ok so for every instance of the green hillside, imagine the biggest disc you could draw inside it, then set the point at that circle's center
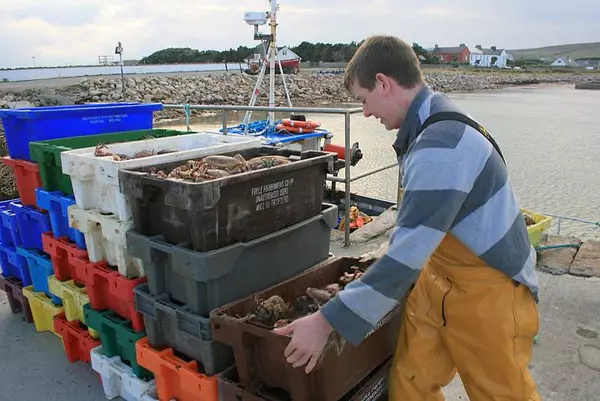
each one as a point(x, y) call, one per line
point(574, 51)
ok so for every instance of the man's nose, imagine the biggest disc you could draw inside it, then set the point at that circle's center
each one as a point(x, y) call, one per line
point(366, 111)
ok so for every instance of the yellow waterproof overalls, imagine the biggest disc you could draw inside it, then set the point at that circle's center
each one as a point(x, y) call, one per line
point(463, 315)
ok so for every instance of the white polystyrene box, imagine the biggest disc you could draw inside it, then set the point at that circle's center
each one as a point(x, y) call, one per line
point(95, 180)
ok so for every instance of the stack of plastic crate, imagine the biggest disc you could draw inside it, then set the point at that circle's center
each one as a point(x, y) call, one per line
point(14, 275)
point(204, 244)
point(58, 263)
point(103, 215)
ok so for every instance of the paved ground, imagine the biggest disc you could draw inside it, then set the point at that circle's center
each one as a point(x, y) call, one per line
point(566, 363)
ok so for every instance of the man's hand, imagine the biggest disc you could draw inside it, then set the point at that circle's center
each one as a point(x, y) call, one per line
point(309, 337)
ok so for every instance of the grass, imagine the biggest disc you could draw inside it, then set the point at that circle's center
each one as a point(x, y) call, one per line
point(574, 51)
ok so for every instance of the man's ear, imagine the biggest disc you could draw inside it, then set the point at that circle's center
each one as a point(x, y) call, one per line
point(384, 81)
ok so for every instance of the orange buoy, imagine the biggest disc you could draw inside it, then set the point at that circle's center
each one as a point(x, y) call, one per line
point(294, 130)
point(301, 124)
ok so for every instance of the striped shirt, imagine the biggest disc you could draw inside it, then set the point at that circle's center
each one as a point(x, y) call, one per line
point(454, 181)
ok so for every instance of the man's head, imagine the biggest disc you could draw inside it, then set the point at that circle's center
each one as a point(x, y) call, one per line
point(384, 75)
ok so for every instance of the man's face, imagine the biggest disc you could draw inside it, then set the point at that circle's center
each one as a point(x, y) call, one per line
point(378, 103)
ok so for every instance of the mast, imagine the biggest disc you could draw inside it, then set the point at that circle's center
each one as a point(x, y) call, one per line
point(273, 22)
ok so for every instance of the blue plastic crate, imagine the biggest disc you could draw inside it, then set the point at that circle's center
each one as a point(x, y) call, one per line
point(44, 123)
point(9, 229)
point(14, 265)
point(58, 206)
point(40, 268)
point(32, 224)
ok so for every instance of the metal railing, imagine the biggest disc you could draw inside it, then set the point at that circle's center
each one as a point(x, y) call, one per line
point(346, 112)
point(574, 219)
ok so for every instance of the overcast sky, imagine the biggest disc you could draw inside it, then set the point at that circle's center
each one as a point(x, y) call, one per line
point(60, 32)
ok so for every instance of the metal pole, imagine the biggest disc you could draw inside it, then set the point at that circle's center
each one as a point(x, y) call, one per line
point(287, 94)
point(122, 75)
point(347, 179)
point(272, 60)
point(377, 170)
point(225, 113)
point(261, 76)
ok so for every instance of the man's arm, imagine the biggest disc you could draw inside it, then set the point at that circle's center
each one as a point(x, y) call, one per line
point(437, 181)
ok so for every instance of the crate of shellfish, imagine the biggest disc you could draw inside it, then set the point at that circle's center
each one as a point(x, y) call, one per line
point(46, 153)
point(246, 325)
point(94, 170)
point(229, 197)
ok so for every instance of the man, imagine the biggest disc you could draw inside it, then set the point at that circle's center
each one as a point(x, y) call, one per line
point(460, 239)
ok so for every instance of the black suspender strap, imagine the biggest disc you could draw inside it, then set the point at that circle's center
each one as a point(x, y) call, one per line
point(454, 116)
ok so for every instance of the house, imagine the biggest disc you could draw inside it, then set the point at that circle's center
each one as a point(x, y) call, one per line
point(459, 54)
point(589, 64)
point(564, 62)
point(492, 57)
point(290, 61)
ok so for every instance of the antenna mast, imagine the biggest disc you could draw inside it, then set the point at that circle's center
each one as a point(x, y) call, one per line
point(272, 58)
point(256, 19)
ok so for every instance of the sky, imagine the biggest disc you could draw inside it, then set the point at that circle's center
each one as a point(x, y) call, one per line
point(76, 32)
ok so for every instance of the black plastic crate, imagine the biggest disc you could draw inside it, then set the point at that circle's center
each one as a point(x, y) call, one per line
point(174, 326)
point(224, 211)
point(206, 280)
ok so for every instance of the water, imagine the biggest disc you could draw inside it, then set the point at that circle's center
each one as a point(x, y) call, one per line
point(69, 72)
point(549, 136)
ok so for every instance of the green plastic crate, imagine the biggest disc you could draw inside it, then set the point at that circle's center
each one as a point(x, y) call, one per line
point(117, 337)
point(47, 153)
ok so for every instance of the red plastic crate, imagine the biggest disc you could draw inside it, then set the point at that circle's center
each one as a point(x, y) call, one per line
point(63, 254)
point(76, 339)
point(16, 300)
point(176, 378)
point(27, 175)
point(108, 289)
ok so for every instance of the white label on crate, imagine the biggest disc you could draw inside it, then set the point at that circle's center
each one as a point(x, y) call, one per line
point(376, 391)
point(103, 119)
point(272, 195)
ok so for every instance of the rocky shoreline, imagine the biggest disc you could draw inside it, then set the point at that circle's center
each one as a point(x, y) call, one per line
point(306, 89)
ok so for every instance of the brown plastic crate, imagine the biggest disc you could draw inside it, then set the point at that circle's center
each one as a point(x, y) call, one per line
point(16, 300)
point(373, 388)
point(259, 352)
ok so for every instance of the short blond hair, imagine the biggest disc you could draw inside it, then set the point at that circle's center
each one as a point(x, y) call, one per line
point(387, 55)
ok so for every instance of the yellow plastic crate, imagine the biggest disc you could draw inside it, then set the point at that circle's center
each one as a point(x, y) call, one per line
point(42, 309)
point(73, 299)
point(542, 223)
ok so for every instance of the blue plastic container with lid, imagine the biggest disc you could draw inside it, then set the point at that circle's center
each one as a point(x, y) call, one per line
point(44, 123)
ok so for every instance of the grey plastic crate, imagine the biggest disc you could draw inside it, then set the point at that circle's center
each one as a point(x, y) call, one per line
point(206, 280)
point(171, 325)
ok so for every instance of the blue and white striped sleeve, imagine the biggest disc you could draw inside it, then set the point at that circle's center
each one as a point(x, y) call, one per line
point(439, 174)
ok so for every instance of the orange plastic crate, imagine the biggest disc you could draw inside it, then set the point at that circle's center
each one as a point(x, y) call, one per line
point(176, 378)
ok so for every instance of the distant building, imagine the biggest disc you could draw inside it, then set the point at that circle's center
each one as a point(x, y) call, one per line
point(589, 64)
point(492, 57)
point(290, 61)
point(459, 54)
point(564, 62)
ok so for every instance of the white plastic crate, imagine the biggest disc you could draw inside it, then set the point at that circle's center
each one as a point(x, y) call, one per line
point(119, 380)
point(105, 238)
point(96, 179)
